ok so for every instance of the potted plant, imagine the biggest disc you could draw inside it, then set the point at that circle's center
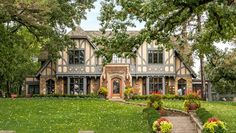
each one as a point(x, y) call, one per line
point(214, 125)
point(13, 92)
point(103, 91)
point(162, 125)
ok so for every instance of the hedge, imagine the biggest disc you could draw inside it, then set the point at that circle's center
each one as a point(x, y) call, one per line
point(151, 115)
point(168, 96)
point(203, 114)
point(65, 95)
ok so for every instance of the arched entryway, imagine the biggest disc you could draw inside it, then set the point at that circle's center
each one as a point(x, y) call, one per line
point(116, 87)
point(50, 86)
point(182, 86)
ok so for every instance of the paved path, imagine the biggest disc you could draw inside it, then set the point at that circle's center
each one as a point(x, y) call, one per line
point(182, 124)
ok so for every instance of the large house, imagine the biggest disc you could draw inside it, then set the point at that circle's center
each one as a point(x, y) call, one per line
point(80, 71)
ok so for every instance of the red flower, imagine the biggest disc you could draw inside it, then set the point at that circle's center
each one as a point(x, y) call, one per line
point(212, 119)
point(162, 119)
point(156, 93)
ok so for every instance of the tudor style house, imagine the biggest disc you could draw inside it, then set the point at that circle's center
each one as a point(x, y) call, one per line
point(80, 71)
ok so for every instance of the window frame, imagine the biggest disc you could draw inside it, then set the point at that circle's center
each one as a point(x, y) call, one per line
point(155, 85)
point(34, 89)
point(74, 56)
point(80, 83)
point(155, 56)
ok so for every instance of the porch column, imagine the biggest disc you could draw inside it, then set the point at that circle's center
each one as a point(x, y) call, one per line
point(163, 85)
point(68, 85)
point(85, 85)
point(147, 85)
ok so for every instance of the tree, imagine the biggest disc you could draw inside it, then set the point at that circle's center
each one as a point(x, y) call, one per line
point(221, 71)
point(164, 21)
point(28, 25)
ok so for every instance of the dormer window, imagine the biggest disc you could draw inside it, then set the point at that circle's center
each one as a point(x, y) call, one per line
point(76, 56)
point(155, 56)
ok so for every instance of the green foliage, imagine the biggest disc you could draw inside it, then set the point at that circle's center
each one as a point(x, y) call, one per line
point(129, 91)
point(151, 115)
point(103, 91)
point(203, 114)
point(155, 102)
point(68, 115)
point(65, 95)
point(162, 19)
point(166, 127)
point(163, 125)
point(191, 104)
point(221, 71)
point(214, 125)
point(140, 97)
point(29, 25)
point(168, 96)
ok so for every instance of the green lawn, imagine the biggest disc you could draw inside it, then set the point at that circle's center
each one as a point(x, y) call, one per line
point(70, 115)
point(225, 111)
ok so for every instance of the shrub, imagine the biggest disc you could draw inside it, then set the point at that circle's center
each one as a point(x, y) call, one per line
point(140, 97)
point(103, 91)
point(191, 104)
point(155, 101)
point(128, 92)
point(150, 114)
point(213, 125)
point(65, 95)
point(163, 125)
point(203, 114)
point(193, 96)
point(167, 96)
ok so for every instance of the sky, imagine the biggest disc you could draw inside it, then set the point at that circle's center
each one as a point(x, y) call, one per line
point(92, 23)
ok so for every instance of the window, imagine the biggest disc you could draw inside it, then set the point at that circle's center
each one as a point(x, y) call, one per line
point(50, 86)
point(76, 56)
point(76, 86)
point(155, 85)
point(33, 89)
point(181, 86)
point(155, 56)
point(116, 59)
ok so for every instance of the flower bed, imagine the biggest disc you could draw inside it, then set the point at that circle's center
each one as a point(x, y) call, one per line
point(214, 125)
point(163, 125)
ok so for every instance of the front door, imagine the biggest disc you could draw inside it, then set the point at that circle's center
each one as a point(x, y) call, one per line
point(116, 87)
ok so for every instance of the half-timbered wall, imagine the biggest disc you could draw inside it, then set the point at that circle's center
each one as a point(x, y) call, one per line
point(181, 69)
point(142, 67)
point(91, 66)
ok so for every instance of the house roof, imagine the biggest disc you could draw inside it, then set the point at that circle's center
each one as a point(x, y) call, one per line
point(42, 68)
point(186, 65)
point(79, 33)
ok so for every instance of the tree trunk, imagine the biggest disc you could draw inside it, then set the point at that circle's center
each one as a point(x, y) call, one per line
point(203, 82)
point(201, 57)
point(8, 94)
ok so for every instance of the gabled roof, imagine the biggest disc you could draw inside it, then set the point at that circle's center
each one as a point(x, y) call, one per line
point(42, 68)
point(79, 33)
point(194, 75)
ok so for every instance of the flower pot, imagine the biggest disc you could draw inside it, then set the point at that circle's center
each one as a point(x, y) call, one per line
point(193, 106)
point(13, 95)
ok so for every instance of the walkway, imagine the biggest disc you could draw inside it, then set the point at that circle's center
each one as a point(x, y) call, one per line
point(182, 124)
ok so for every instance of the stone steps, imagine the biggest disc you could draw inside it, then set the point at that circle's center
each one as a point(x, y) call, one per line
point(182, 124)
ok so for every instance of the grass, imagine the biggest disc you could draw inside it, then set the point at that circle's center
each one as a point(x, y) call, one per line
point(67, 115)
point(225, 111)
